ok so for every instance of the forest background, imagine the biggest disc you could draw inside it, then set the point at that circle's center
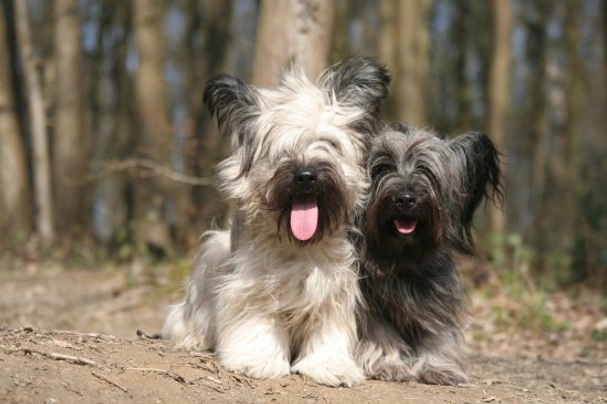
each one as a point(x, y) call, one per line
point(107, 152)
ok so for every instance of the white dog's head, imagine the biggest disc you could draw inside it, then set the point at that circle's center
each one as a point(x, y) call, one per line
point(298, 149)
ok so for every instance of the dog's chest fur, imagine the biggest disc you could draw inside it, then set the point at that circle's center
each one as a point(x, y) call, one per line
point(294, 280)
point(419, 299)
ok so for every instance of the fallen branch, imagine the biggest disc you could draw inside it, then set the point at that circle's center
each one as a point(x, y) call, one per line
point(129, 164)
point(97, 375)
point(53, 355)
point(67, 332)
point(162, 372)
point(81, 334)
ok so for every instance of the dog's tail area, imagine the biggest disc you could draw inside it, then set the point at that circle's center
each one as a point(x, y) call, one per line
point(191, 323)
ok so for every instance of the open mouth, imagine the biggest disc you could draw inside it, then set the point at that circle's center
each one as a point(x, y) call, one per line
point(405, 226)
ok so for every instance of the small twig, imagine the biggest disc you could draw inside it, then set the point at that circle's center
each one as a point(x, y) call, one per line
point(69, 388)
point(97, 375)
point(82, 334)
point(142, 334)
point(162, 372)
point(202, 355)
point(217, 389)
point(69, 332)
point(56, 356)
point(240, 379)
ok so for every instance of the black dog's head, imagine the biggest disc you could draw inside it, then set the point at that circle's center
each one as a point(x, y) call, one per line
point(424, 191)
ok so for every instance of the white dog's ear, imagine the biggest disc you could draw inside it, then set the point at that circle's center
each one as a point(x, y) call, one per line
point(234, 104)
point(359, 81)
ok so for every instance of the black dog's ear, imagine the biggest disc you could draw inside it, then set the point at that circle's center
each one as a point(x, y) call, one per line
point(478, 164)
point(234, 105)
point(359, 81)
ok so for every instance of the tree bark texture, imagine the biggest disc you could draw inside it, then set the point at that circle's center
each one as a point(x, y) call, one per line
point(412, 73)
point(290, 30)
point(154, 131)
point(499, 92)
point(15, 212)
point(69, 150)
point(41, 160)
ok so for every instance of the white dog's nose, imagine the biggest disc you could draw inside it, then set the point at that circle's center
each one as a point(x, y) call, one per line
point(305, 178)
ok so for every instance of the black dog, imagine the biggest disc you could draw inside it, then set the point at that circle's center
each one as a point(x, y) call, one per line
point(424, 191)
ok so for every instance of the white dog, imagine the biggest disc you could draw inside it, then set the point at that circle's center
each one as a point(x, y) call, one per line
point(278, 293)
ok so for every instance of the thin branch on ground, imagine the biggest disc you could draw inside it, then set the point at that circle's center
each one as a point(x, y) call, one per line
point(97, 375)
point(53, 355)
point(67, 332)
point(163, 372)
point(82, 334)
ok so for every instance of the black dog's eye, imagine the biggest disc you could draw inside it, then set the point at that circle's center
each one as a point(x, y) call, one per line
point(422, 169)
point(381, 169)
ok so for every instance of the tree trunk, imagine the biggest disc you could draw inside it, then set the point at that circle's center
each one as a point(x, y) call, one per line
point(388, 46)
point(210, 23)
point(69, 151)
point(41, 161)
point(499, 92)
point(15, 212)
point(565, 160)
point(154, 138)
point(292, 30)
point(412, 72)
point(536, 52)
point(112, 92)
point(462, 41)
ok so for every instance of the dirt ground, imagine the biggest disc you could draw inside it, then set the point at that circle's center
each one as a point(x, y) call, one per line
point(70, 335)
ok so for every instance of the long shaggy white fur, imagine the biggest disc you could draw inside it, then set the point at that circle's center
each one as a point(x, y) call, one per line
point(268, 301)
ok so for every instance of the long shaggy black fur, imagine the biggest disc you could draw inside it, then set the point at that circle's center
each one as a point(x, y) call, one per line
point(424, 192)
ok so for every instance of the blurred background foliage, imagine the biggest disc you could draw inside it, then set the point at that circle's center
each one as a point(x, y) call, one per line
point(104, 140)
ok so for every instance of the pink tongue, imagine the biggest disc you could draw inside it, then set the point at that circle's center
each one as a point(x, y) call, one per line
point(405, 227)
point(304, 219)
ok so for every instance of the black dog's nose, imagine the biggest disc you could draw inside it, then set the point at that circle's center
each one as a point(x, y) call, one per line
point(305, 178)
point(407, 200)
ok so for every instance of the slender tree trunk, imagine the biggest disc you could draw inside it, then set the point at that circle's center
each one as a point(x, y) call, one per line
point(499, 92)
point(461, 40)
point(412, 72)
point(565, 163)
point(211, 21)
point(112, 91)
point(41, 160)
point(537, 115)
point(155, 140)
point(68, 141)
point(15, 212)
point(388, 46)
point(292, 29)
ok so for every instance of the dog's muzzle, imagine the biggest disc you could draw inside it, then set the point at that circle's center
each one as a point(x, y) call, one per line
point(304, 212)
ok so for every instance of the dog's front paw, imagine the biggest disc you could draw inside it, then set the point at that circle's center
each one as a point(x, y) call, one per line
point(447, 377)
point(257, 367)
point(332, 372)
point(390, 370)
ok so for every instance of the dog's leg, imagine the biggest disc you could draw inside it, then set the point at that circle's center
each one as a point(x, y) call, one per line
point(441, 365)
point(254, 344)
point(326, 351)
point(381, 351)
point(191, 323)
